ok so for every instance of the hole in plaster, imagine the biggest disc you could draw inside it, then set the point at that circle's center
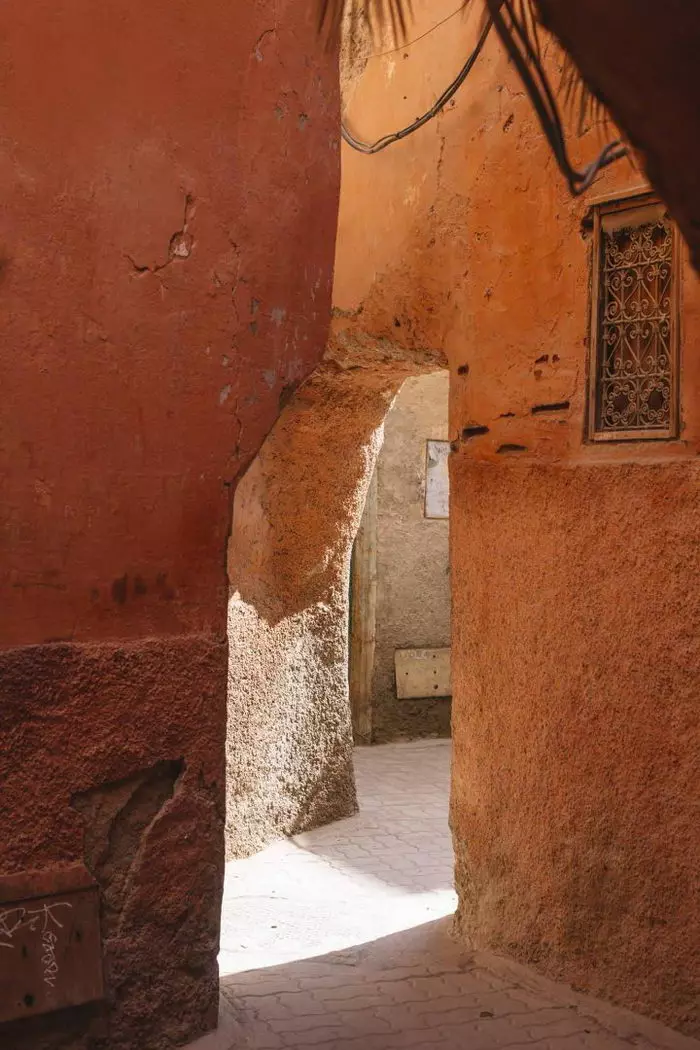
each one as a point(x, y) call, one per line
point(555, 406)
point(463, 370)
point(587, 224)
point(180, 245)
point(474, 431)
point(508, 447)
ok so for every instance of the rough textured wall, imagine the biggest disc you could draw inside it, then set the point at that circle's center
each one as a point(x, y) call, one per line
point(296, 513)
point(575, 617)
point(576, 723)
point(575, 623)
point(169, 177)
point(413, 561)
point(289, 750)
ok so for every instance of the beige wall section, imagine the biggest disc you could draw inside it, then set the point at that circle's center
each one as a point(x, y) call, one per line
point(412, 560)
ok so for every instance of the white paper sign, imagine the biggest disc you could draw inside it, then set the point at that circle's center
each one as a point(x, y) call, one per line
point(437, 480)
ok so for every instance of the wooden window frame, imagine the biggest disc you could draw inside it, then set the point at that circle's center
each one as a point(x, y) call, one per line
point(622, 208)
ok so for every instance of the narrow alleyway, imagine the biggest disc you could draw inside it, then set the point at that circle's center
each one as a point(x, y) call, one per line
point(339, 938)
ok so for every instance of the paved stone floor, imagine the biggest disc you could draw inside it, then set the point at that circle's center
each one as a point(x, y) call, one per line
point(339, 938)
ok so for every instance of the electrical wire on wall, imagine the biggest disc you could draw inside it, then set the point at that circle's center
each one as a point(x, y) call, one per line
point(518, 34)
point(448, 93)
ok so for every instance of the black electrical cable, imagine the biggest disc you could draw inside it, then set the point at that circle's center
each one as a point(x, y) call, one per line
point(448, 93)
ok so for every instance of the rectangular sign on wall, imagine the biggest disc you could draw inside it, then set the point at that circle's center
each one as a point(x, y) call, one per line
point(437, 480)
point(422, 673)
point(50, 949)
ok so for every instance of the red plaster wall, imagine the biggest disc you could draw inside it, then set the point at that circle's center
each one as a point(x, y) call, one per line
point(136, 384)
point(169, 179)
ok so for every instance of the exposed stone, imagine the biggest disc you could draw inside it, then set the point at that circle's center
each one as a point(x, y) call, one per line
point(117, 817)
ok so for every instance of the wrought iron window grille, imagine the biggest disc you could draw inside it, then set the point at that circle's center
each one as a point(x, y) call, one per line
point(635, 310)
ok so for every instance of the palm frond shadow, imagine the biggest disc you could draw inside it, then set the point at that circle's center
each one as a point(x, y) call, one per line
point(518, 27)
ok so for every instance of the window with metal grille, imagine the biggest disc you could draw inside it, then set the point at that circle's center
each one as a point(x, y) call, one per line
point(634, 353)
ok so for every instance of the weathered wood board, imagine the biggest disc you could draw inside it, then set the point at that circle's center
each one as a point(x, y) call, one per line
point(422, 673)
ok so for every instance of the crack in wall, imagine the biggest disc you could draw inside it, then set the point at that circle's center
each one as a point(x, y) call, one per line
point(118, 817)
point(259, 56)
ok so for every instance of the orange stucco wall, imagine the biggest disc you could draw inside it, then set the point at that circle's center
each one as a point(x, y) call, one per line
point(169, 177)
point(574, 567)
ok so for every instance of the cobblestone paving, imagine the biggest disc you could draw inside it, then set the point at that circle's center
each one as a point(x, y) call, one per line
point(340, 939)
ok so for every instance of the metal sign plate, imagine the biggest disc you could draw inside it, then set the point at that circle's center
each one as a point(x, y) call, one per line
point(422, 673)
point(50, 952)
